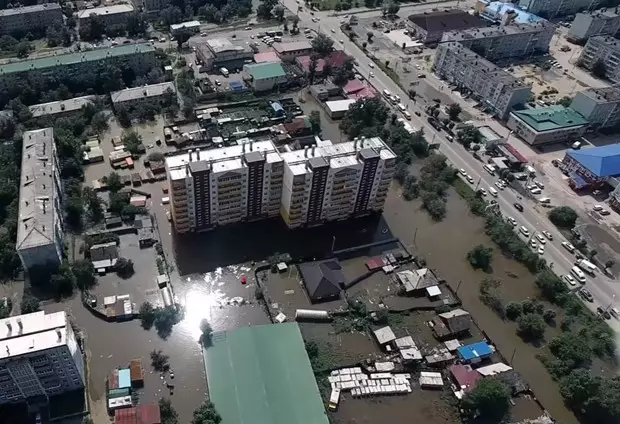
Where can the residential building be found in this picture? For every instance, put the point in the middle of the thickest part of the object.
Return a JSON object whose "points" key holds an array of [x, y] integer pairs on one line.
{"points": [[139, 57], [41, 368], [475, 353], [558, 8], [61, 108], [192, 26], [265, 76], [592, 167], [40, 225], [324, 280], [496, 11], [216, 53], [428, 27], [21, 20], [590, 24], [605, 51], [495, 88], [600, 106], [113, 17], [547, 125], [506, 41], [130, 97], [151, 7], [253, 181], [287, 52]]}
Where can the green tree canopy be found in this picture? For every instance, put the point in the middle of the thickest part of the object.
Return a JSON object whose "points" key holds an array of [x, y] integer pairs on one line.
{"points": [[480, 257], [531, 326], [563, 217], [322, 44], [490, 399]]}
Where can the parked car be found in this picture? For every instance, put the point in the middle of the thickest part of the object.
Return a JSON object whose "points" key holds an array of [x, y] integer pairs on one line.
{"points": [[586, 295], [518, 206]]}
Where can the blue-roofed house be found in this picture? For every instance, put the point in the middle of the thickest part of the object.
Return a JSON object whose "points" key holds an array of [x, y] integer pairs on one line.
{"points": [[277, 109], [592, 167], [494, 11], [475, 352]]}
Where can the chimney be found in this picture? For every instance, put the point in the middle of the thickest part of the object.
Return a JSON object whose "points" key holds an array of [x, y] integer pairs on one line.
{"points": [[20, 324], [59, 334], [9, 326], [306, 151], [313, 147], [197, 154]]}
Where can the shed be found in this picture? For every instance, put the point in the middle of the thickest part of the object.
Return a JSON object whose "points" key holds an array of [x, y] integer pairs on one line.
{"points": [[493, 369], [162, 281], [430, 379], [384, 335], [148, 414], [104, 256], [418, 279], [464, 376], [124, 378], [452, 345], [125, 416], [452, 323], [433, 291], [277, 109], [323, 279], [475, 352], [137, 372]]}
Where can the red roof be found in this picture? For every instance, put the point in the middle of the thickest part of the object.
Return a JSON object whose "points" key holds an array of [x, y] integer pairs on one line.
{"points": [[148, 414], [374, 263], [304, 63], [365, 93], [465, 376], [125, 416], [353, 86], [515, 153], [336, 59], [266, 57], [298, 124]]}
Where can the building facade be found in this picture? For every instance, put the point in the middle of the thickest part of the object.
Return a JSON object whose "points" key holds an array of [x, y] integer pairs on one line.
{"points": [[558, 8], [254, 181], [498, 90], [600, 106], [549, 125], [590, 24], [21, 20], [130, 97], [113, 17], [507, 41], [40, 226], [41, 368], [602, 50], [429, 27]]}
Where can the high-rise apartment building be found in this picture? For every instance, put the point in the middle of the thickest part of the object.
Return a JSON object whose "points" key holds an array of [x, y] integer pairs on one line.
{"points": [[605, 51], [40, 225], [600, 106], [591, 24], [254, 181], [557, 8], [41, 368], [21, 20]]}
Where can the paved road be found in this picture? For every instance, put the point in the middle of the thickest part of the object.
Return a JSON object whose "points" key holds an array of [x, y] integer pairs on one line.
{"points": [[603, 289]]}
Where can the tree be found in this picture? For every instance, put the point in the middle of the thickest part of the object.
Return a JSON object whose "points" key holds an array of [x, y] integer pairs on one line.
{"points": [[563, 217], [513, 310], [454, 110], [604, 406], [168, 414], [92, 28], [411, 93], [63, 282], [117, 201], [171, 15], [113, 182], [551, 286], [490, 399], [156, 157], [278, 12], [165, 319], [578, 386], [147, 315], [565, 101], [132, 141], [322, 44], [314, 61], [609, 264], [29, 305], [572, 349], [480, 257], [549, 315], [99, 122], [401, 172], [365, 113], [136, 25], [315, 122], [84, 272], [264, 8], [531, 326], [468, 135], [182, 35], [206, 414], [93, 203], [124, 267], [598, 69], [160, 362], [391, 9]]}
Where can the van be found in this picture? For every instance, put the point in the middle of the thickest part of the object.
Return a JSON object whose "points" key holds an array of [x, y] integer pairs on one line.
{"points": [[493, 192], [489, 169], [578, 274], [402, 107], [277, 39], [224, 72], [524, 231], [271, 33], [407, 115], [387, 93], [587, 266], [615, 313]]}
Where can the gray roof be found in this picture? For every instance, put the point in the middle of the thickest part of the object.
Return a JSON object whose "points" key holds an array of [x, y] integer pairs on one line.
{"points": [[144, 92], [494, 31], [251, 157], [38, 190], [603, 95], [323, 279], [446, 20], [104, 251], [61, 106], [29, 9]]}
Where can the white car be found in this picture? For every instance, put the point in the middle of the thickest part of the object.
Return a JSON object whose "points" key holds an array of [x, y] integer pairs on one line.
{"points": [[341, 41], [569, 279], [371, 65], [541, 238], [597, 208], [512, 221], [499, 185], [535, 190], [566, 245], [548, 235], [470, 179], [533, 244], [462, 172], [371, 75], [333, 31], [482, 191], [541, 250]]}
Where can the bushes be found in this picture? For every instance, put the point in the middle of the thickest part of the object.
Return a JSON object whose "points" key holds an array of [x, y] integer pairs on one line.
{"points": [[490, 295], [563, 217], [124, 267], [531, 326], [480, 257]]}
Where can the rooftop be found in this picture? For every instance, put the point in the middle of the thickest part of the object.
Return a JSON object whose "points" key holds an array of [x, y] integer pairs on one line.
{"points": [[602, 161], [143, 92], [609, 42], [219, 45], [495, 10], [339, 105], [266, 57], [73, 58], [265, 70], [36, 224], [465, 376], [62, 106], [603, 94], [550, 118], [600, 14], [32, 333], [262, 374], [105, 10], [446, 20], [494, 31], [384, 335], [417, 279], [475, 350], [29, 9], [323, 279], [188, 24], [292, 47]]}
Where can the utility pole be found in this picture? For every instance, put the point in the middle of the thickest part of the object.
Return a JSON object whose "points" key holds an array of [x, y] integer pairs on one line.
{"points": [[513, 356], [415, 235], [333, 243], [478, 184], [458, 286]]}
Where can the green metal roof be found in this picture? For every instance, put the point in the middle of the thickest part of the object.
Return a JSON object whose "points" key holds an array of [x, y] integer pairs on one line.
{"points": [[551, 118], [72, 58], [262, 375], [266, 70]]}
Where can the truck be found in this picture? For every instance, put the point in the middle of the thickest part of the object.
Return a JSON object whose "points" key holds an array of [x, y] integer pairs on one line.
{"points": [[586, 266]]}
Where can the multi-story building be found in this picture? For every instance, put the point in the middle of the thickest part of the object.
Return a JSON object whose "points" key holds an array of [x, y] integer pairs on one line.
{"points": [[41, 368], [557, 8], [151, 7], [40, 225], [265, 76], [600, 106], [61, 108], [21, 20], [429, 27], [602, 51], [499, 11], [498, 90], [113, 17], [149, 93], [139, 57], [506, 41], [287, 52], [590, 24], [221, 52], [547, 125], [254, 181]]}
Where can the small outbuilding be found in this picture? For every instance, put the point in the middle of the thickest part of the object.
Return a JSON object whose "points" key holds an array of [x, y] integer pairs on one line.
{"points": [[451, 324], [475, 352], [323, 280], [384, 335], [104, 256]]}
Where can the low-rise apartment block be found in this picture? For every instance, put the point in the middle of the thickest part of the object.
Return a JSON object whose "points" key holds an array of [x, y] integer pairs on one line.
{"points": [[139, 57], [498, 90], [113, 17], [429, 27], [130, 97], [41, 368], [287, 52], [40, 225], [61, 108], [507, 41], [600, 106], [220, 52], [265, 76], [548, 125], [21, 20], [605, 51], [557, 8], [151, 7], [591, 24], [252, 181]]}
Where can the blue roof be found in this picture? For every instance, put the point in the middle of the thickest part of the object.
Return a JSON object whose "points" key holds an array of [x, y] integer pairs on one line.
{"points": [[124, 378], [475, 350], [277, 107], [496, 9], [602, 161]]}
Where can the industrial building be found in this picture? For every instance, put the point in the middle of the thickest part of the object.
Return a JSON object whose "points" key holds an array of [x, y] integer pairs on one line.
{"points": [[130, 97], [605, 51], [252, 181], [21, 20], [591, 24], [497, 90], [221, 52], [428, 27], [40, 223], [139, 57], [558, 8], [600, 106], [287, 52], [509, 40], [61, 108], [41, 368], [113, 17], [547, 125], [265, 76]]}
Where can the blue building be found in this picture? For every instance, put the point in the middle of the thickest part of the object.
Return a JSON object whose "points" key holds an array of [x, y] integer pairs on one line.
{"points": [[475, 352], [591, 167], [494, 11]]}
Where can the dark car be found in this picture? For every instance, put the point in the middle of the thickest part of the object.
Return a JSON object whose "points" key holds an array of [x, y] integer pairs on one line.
{"points": [[519, 207], [586, 295]]}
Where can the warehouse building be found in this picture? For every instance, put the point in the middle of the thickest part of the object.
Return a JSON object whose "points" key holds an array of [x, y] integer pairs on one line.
{"points": [[497, 90], [429, 27], [591, 24], [336, 109], [216, 53], [591, 167], [605, 51], [548, 125], [113, 17], [600, 106], [21, 20]]}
